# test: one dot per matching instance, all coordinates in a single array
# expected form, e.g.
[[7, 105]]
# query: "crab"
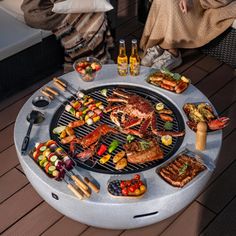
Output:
[[135, 110], [219, 123]]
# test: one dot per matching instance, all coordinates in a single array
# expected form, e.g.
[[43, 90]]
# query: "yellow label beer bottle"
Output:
[[134, 59], [122, 59]]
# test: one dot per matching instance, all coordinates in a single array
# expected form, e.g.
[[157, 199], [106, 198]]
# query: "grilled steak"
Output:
[[140, 152], [182, 170]]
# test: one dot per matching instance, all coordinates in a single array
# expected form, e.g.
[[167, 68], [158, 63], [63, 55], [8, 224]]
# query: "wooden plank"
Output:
[[8, 115], [19, 167], [221, 192], [27, 92], [126, 14], [231, 113], [35, 222], [151, 230], [91, 231], [216, 80], [6, 137], [123, 4], [130, 27], [208, 64], [65, 226], [225, 97], [8, 160], [195, 74], [226, 156], [190, 57], [225, 223], [17, 206], [10, 183], [191, 222]]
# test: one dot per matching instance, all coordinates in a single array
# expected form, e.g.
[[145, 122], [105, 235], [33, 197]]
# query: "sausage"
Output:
[[76, 123], [166, 117], [165, 111], [168, 87], [181, 87], [67, 139], [171, 83]]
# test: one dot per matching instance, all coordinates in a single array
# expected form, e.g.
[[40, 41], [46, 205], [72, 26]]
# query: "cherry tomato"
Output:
[[137, 192], [142, 188], [132, 188], [128, 182], [140, 183], [125, 191], [122, 184], [137, 176]]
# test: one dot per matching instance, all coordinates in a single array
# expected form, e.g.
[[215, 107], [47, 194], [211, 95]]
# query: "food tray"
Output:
[[184, 168], [60, 163], [172, 82], [206, 113], [119, 187]]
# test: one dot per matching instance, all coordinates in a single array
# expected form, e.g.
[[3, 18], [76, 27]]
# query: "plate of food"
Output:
[[184, 168], [127, 188], [169, 81], [203, 111]]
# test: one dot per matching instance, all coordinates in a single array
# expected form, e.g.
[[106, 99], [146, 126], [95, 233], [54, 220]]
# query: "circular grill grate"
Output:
[[62, 117]]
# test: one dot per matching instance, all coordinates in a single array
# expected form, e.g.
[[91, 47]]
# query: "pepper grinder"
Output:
[[201, 136]]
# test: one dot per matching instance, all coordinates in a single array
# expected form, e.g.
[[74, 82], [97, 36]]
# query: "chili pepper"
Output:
[[114, 144], [102, 149]]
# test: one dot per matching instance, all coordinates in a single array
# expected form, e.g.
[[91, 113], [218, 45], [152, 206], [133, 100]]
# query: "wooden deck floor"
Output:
[[24, 212]]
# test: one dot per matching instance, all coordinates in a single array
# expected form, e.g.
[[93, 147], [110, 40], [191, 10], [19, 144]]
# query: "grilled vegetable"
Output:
[[102, 149], [58, 129], [168, 125], [166, 140], [130, 138], [159, 106], [104, 92], [70, 109], [121, 164], [118, 156], [114, 144], [105, 159]]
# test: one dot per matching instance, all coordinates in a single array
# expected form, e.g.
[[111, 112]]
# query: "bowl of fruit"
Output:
[[87, 68]]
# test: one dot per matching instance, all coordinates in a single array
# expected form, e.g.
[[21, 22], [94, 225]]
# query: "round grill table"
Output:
[[101, 210]]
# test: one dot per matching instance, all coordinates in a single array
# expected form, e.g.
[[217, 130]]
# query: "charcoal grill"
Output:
[[63, 117], [101, 210]]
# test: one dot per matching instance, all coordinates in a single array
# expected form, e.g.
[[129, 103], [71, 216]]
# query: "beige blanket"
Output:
[[168, 27]]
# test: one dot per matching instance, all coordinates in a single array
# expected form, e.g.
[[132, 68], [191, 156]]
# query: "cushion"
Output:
[[82, 6], [12, 7]]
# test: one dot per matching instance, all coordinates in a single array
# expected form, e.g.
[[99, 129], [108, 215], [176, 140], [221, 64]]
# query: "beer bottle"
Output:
[[122, 59], [134, 59]]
